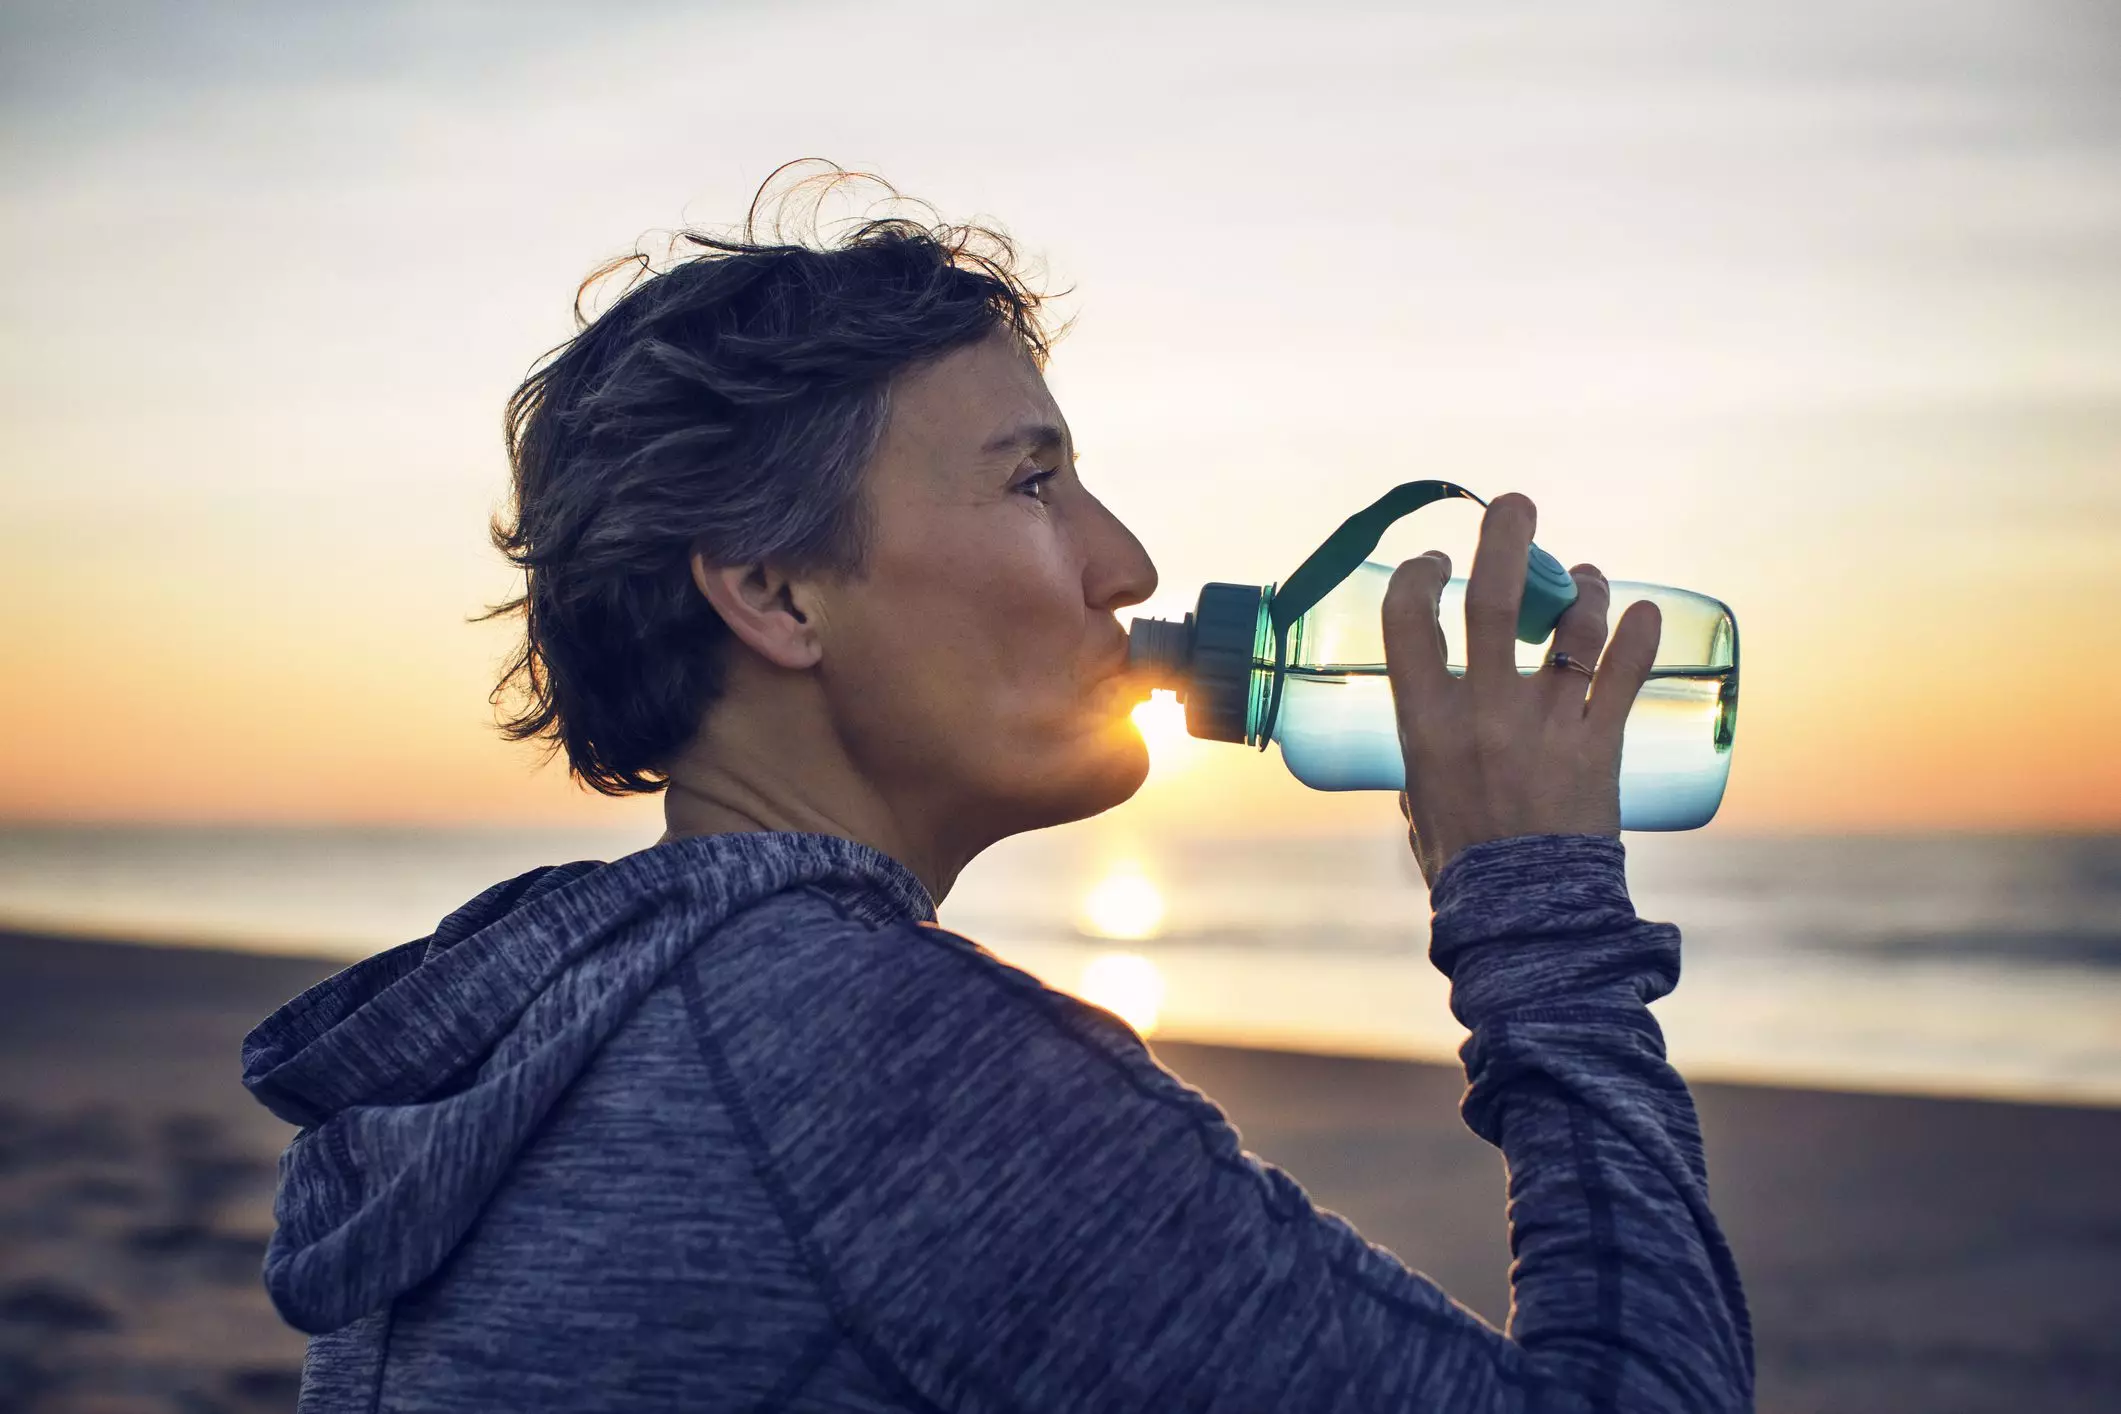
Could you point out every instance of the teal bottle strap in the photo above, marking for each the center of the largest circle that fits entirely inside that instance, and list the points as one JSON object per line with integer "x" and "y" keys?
{"x": 1333, "y": 562}
{"x": 1548, "y": 587}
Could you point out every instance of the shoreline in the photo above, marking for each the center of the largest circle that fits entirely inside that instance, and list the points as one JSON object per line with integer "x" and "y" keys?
{"x": 1899, "y": 1252}
{"x": 1818, "y": 1077}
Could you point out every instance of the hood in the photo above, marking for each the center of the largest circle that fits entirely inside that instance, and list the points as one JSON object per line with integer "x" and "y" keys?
{"x": 418, "y": 1075}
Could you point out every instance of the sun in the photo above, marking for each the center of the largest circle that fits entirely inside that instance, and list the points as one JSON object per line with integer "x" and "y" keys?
{"x": 1162, "y": 722}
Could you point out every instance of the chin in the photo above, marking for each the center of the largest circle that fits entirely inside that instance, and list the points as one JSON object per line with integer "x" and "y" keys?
{"x": 1088, "y": 782}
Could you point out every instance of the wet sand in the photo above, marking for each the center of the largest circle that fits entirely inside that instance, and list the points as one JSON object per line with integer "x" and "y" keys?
{"x": 1899, "y": 1253}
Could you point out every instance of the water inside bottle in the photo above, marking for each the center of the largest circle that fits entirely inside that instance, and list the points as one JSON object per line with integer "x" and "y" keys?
{"x": 1338, "y": 731}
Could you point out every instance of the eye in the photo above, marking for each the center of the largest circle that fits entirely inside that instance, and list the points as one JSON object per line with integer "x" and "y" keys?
{"x": 1034, "y": 486}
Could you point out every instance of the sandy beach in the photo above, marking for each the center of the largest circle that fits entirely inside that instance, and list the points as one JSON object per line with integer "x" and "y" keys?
{"x": 1899, "y": 1253}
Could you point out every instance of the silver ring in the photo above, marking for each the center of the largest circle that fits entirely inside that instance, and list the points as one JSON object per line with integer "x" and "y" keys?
{"x": 1562, "y": 660}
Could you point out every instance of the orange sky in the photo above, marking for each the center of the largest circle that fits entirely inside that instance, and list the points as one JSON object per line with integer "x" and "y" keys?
{"x": 1787, "y": 326}
{"x": 1974, "y": 706}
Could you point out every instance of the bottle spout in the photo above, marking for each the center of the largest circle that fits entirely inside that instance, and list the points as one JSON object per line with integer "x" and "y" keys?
{"x": 1207, "y": 659}
{"x": 1160, "y": 652}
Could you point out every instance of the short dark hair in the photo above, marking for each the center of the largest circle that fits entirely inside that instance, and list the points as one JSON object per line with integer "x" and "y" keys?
{"x": 726, "y": 404}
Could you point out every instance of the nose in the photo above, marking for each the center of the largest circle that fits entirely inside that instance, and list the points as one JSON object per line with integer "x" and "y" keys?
{"x": 1117, "y": 571}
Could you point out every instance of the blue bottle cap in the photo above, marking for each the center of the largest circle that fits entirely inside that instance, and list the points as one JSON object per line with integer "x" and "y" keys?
{"x": 1548, "y": 591}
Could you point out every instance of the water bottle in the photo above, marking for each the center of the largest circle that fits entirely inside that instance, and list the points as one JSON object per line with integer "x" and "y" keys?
{"x": 1302, "y": 664}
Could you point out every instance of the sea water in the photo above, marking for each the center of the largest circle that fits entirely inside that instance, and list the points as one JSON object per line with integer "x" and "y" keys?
{"x": 1950, "y": 964}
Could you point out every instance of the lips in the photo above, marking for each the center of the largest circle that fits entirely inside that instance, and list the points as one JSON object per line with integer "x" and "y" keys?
{"x": 1119, "y": 661}
{"x": 1117, "y": 677}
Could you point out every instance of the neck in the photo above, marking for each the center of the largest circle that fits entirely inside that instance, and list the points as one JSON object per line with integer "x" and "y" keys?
{"x": 783, "y": 769}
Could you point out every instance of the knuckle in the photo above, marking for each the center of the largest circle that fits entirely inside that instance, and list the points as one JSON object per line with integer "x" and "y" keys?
{"x": 1422, "y": 732}
{"x": 1488, "y": 610}
{"x": 1491, "y": 735}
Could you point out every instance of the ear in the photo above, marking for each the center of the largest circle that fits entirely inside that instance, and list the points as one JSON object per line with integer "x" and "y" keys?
{"x": 764, "y": 608}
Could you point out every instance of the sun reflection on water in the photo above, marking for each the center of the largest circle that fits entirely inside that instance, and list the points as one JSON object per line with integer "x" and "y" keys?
{"x": 1123, "y": 904}
{"x": 1127, "y": 985}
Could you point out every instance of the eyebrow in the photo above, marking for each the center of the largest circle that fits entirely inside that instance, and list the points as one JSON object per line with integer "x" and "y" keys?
{"x": 1029, "y": 437}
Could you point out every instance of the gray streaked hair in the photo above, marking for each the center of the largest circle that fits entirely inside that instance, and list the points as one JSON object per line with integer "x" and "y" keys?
{"x": 728, "y": 404}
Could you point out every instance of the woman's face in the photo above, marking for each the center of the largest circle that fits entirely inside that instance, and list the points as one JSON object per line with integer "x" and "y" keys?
{"x": 975, "y": 667}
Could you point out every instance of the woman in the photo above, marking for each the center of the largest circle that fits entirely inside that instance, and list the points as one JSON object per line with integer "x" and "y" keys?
{"x": 731, "y": 1124}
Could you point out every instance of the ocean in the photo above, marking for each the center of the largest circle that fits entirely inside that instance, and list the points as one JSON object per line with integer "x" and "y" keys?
{"x": 1945, "y": 964}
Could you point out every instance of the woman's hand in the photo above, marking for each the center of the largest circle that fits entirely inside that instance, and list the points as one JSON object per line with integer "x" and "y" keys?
{"x": 1496, "y": 754}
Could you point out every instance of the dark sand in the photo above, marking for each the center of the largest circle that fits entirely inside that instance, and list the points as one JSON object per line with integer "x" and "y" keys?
{"x": 1900, "y": 1254}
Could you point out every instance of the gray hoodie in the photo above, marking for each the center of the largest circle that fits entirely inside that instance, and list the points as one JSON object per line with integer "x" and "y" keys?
{"x": 731, "y": 1124}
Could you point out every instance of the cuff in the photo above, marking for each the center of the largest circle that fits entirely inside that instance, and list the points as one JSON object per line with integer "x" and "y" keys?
{"x": 1543, "y": 921}
{"x": 1517, "y": 885}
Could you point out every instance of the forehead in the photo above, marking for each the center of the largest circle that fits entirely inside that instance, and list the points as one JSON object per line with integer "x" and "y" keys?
{"x": 963, "y": 405}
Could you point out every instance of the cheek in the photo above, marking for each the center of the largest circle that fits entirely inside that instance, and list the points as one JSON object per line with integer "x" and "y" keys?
{"x": 1023, "y": 632}
{"x": 1002, "y": 612}
{"x": 963, "y": 679}
{"x": 968, "y": 643}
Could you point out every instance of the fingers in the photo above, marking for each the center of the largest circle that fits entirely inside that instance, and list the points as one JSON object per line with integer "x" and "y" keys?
{"x": 1581, "y": 632}
{"x": 1625, "y": 668}
{"x": 1414, "y": 642}
{"x": 1495, "y": 589}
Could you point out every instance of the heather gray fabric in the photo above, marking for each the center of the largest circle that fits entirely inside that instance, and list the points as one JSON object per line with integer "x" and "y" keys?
{"x": 731, "y": 1124}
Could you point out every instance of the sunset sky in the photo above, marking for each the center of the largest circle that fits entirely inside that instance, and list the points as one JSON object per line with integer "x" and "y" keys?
{"x": 1821, "y": 320}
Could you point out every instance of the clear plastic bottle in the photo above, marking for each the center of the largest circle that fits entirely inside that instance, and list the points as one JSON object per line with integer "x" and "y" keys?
{"x": 1334, "y": 717}
{"x": 1337, "y": 729}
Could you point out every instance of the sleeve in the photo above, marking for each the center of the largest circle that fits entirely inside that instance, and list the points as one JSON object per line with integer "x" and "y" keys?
{"x": 1011, "y": 1206}
{"x": 1623, "y": 1286}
